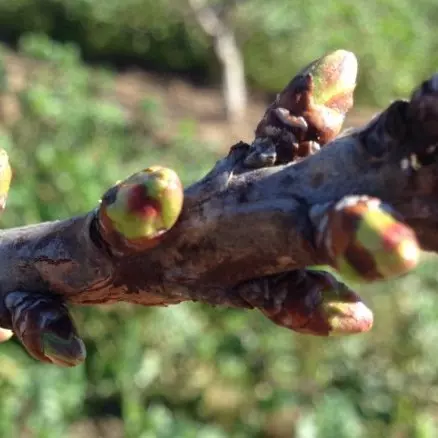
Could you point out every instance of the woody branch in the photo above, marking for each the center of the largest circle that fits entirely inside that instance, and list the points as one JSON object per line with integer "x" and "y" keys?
{"x": 249, "y": 229}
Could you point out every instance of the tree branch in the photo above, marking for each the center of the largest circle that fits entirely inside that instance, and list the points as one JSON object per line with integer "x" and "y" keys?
{"x": 247, "y": 233}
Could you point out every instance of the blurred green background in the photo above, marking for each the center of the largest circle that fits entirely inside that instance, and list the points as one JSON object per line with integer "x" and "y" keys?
{"x": 89, "y": 89}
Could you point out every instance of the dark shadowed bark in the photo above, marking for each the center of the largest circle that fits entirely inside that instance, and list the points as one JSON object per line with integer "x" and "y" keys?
{"x": 247, "y": 231}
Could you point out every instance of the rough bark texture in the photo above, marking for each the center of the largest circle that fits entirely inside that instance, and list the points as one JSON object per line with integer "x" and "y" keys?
{"x": 237, "y": 223}
{"x": 243, "y": 232}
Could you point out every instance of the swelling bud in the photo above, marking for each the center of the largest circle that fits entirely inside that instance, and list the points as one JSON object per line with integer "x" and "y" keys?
{"x": 364, "y": 242}
{"x": 139, "y": 210}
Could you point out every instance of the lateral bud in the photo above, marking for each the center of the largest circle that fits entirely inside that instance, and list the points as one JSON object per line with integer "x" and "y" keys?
{"x": 364, "y": 241}
{"x": 137, "y": 212}
{"x": 308, "y": 302}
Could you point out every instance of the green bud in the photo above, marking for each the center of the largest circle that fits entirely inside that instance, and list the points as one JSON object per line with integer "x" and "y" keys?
{"x": 142, "y": 207}
{"x": 5, "y": 177}
{"x": 319, "y": 305}
{"x": 344, "y": 312}
{"x": 312, "y": 106}
{"x": 5, "y": 334}
{"x": 334, "y": 80}
{"x": 364, "y": 242}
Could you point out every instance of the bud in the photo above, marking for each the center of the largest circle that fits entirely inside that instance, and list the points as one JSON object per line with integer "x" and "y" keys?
{"x": 322, "y": 306}
{"x": 344, "y": 311}
{"x": 331, "y": 81}
{"x": 45, "y": 328}
{"x": 5, "y": 334}
{"x": 314, "y": 104}
{"x": 141, "y": 208}
{"x": 5, "y": 178}
{"x": 364, "y": 242}
{"x": 61, "y": 345}
{"x": 334, "y": 80}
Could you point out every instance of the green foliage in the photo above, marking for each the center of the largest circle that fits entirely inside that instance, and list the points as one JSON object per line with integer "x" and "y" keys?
{"x": 70, "y": 124}
{"x": 190, "y": 370}
{"x": 394, "y": 40}
{"x": 144, "y": 30}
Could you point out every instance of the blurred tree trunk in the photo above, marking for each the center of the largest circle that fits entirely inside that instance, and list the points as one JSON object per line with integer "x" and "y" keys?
{"x": 215, "y": 22}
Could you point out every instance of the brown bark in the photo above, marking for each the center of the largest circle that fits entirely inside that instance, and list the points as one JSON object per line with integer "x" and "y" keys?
{"x": 248, "y": 230}
{"x": 238, "y": 223}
